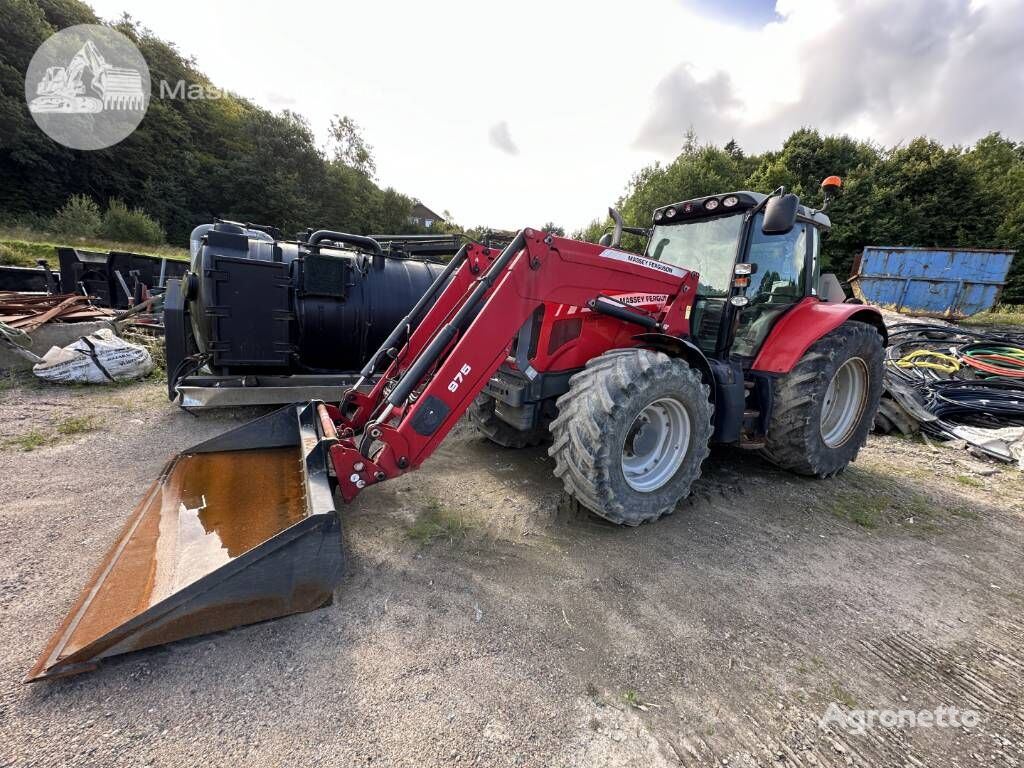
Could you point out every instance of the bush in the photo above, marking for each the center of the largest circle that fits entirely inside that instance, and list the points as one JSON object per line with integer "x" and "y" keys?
{"x": 35, "y": 221}
{"x": 80, "y": 217}
{"x": 131, "y": 226}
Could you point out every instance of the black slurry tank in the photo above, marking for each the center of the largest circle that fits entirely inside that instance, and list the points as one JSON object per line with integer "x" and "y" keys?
{"x": 253, "y": 304}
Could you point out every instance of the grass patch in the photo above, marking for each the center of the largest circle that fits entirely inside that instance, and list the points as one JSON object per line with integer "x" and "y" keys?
{"x": 858, "y": 507}
{"x": 437, "y": 522}
{"x": 8, "y": 381}
{"x": 29, "y": 441}
{"x": 877, "y": 504}
{"x": 632, "y": 699}
{"x": 842, "y": 696}
{"x": 1004, "y": 314}
{"x": 965, "y": 513}
{"x": 76, "y": 425}
{"x": 969, "y": 480}
{"x": 37, "y": 438}
{"x": 24, "y": 247}
{"x": 870, "y": 501}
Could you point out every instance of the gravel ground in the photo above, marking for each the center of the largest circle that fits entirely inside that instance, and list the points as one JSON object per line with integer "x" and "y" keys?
{"x": 486, "y": 621}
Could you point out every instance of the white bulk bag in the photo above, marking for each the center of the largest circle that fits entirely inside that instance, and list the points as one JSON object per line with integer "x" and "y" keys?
{"x": 99, "y": 358}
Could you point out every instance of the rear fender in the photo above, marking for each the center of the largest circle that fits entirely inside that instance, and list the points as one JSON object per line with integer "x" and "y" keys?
{"x": 803, "y": 325}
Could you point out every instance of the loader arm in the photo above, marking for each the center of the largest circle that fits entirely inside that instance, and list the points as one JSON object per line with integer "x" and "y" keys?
{"x": 465, "y": 336}
{"x": 243, "y": 527}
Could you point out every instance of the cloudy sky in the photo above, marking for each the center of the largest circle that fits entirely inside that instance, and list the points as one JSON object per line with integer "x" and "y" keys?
{"x": 515, "y": 114}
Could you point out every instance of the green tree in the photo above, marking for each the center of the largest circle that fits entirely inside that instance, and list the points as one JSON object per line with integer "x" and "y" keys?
{"x": 998, "y": 164}
{"x": 919, "y": 195}
{"x": 78, "y": 217}
{"x": 349, "y": 147}
{"x": 190, "y": 159}
{"x": 131, "y": 225}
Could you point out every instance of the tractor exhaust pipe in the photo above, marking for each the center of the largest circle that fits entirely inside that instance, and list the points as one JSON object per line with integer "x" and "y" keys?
{"x": 617, "y": 234}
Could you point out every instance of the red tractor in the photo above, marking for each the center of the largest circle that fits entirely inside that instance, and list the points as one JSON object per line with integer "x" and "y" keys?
{"x": 632, "y": 363}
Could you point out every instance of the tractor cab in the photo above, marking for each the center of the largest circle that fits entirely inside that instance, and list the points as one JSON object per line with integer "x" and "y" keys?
{"x": 757, "y": 256}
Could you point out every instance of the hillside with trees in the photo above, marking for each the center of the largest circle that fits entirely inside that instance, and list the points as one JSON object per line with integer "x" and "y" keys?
{"x": 190, "y": 160}
{"x": 917, "y": 194}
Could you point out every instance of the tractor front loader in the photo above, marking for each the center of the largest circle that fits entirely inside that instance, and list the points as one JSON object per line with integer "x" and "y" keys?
{"x": 632, "y": 364}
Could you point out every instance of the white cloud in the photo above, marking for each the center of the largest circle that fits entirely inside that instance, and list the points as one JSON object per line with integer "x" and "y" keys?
{"x": 709, "y": 106}
{"x": 950, "y": 69}
{"x": 501, "y": 139}
{"x": 597, "y": 89}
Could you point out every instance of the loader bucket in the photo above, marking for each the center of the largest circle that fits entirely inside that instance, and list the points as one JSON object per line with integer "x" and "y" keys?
{"x": 236, "y": 530}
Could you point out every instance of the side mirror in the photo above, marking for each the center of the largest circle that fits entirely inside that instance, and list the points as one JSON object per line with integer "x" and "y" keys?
{"x": 780, "y": 214}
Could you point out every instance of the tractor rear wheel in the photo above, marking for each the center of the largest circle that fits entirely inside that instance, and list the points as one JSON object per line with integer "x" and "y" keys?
{"x": 631, "y": 434}
{"x": 825, "y": 406}
{"x": 482, "y": 414}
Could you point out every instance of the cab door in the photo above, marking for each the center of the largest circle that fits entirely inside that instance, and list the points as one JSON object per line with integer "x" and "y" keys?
{"x": 783, "y": 273}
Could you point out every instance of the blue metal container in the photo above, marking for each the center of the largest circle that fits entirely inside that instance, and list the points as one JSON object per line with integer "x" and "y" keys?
{"x": 934, "y": 282}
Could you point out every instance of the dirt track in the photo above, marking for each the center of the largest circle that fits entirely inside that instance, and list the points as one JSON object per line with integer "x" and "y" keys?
{"x": 487, "y": 622}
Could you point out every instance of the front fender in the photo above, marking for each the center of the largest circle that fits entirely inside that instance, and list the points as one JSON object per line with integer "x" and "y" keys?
{"x": 803, "y": 325}
{"x": 677, "y": 346}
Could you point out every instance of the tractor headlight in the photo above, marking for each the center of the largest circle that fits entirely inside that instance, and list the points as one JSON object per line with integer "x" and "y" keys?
{"x": 730, "y": 201}
{"x": 659, "y": 215}
{"x": 670, "y": 212}
{"x": 710, "y": 204}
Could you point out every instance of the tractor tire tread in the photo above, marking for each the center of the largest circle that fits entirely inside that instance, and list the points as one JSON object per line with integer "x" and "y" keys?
{"x": 794, "y": 441}
{"x": 607, "y": 385}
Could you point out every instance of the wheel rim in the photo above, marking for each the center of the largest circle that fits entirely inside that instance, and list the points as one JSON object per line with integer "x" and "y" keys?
{"x": 655, "y": 445}
{"x": 844, "y": 402}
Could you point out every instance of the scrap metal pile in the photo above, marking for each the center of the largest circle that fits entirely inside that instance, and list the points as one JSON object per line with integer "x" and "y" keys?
{"x": 956, "y": 383}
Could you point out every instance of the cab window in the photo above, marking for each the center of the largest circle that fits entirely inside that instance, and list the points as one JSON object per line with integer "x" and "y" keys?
{"x": 707, "y": 246}
{"x": 778, "y": 281}
{"x": 781, "y": 261}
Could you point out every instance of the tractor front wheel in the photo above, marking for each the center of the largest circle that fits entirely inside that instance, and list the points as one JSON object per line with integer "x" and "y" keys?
{"x": 631, "y": 434}
{"x": 825, "y": 406}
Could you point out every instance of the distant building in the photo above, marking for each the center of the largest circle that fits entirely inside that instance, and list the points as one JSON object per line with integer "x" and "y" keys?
{"x": 423, "y": 216}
